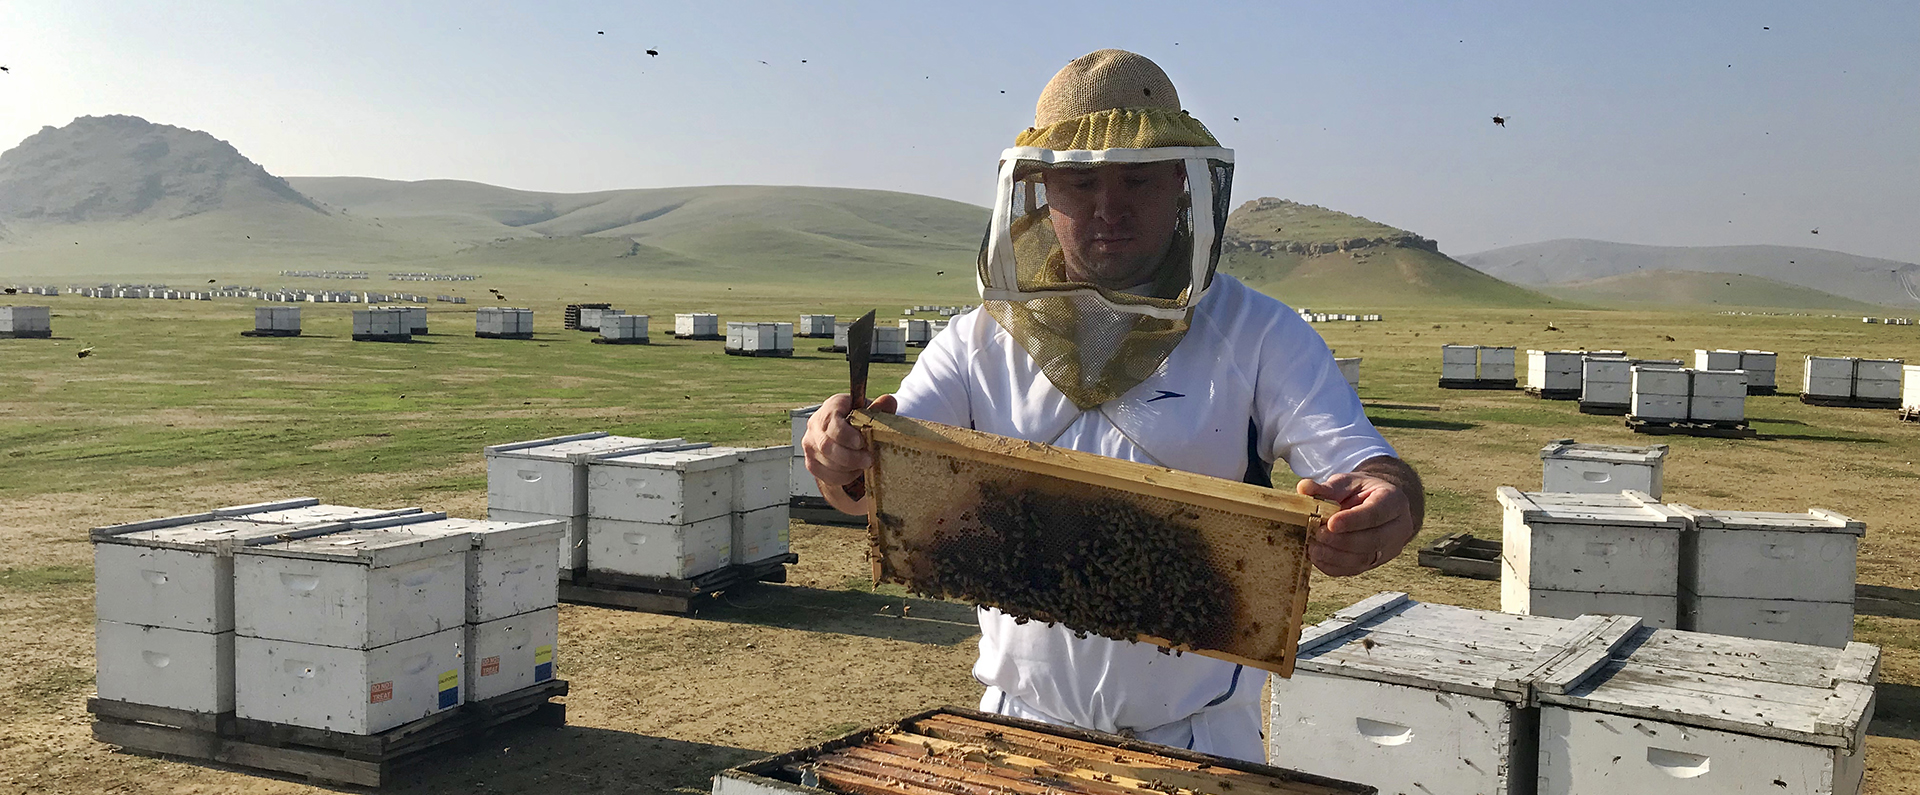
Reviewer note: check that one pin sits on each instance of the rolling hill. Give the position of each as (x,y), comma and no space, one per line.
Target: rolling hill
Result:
(1308,255)
(1865,279)
(1679,289)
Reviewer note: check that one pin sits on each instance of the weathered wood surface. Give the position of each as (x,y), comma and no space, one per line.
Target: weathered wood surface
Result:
(165,716)
(1462,555)
(927,484)
(1389,638)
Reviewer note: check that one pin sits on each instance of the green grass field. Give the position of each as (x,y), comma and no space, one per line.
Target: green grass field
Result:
(175,412)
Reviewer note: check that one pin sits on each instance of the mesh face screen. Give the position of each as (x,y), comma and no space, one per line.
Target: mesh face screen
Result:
(1097,559)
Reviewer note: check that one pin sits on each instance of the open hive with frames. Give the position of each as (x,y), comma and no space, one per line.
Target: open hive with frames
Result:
(1106,547)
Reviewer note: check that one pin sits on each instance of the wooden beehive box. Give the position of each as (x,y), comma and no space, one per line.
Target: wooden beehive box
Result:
(1101,545)
(951,751)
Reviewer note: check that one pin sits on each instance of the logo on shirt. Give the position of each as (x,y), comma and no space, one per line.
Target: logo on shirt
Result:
(1164,394)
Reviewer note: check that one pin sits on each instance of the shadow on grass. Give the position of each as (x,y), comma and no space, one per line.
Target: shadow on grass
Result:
(1425,425)
(1800,423)
(1886,601)
(864,613)
(1400,407)
(1896,711)
(1814,437)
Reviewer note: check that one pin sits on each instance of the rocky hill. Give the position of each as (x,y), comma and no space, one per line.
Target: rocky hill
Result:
(123,168)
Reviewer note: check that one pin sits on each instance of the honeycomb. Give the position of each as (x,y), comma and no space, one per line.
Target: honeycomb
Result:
(1101,546)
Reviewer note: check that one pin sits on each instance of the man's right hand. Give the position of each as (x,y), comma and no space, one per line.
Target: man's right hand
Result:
(836,452)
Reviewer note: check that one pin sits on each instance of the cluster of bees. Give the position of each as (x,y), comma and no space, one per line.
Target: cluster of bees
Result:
(1097,565)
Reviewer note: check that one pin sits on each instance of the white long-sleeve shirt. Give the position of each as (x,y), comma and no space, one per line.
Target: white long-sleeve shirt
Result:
(1246,359)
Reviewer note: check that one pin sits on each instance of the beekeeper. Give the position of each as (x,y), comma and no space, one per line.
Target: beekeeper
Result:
(1104,328)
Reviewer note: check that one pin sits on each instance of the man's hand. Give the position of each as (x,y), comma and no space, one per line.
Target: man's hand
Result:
(1381,507)
(836,452)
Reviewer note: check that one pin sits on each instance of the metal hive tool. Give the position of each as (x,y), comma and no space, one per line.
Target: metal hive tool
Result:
(1103,546)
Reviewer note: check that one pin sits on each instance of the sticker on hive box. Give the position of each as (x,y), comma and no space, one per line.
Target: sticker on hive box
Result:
(1102,546)
(449,688)
(542,663)
(490,666)
(382,691)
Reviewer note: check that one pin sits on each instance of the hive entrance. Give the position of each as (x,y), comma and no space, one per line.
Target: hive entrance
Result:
(1102,546)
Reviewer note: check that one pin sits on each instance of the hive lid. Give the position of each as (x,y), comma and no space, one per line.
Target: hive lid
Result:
(578,448)
(696,459)
(306,510)
(1764,688)
(366,544)
(204,532)
(1616,509)
(1815,520)
(803,411)
(1391,638)
(1570,450)
(749,455)
(484,534)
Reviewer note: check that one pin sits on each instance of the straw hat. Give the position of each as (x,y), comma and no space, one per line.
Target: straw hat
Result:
(1104,80)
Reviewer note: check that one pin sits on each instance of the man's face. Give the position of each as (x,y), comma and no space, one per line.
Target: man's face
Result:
(1115,221)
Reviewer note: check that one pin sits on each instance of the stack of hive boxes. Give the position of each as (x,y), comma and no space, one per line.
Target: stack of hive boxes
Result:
(416,319)
(1556,375)
(1566,555)
(356,631)
(1411,697)
(1766,575)
(759,511)
(816,326)
(381,324)
(1349,370)
(1606,382)
(661,514)
(1758,365)
(801,486)
(918,333)
(26,322)
(1668,394)
(1910,390)
(164,608)
(507,323)
(276,321)
(697,326)
(746,338)
(622,327)
(1864,382)
(1476,365)
(546,479)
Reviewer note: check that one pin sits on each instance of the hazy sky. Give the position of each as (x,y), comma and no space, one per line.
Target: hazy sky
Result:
(1660,122)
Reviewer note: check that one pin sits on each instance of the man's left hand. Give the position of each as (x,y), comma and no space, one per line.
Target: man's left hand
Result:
(1381,504)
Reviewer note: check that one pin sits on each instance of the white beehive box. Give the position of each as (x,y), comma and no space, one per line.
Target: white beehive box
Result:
(353,691)
(1606,382)
(816,325)
(696,324)
(840,335)
(26,320)
(1718,396)
(1349,370)
(1877,379)
(1827,376)
(759,534)
(1716,359)
(510,568)
(276,318)
(360,588)
(737,335)
(1459,362)
(1760,367)
(416,319)
(1566,555)
(546,479)
(1775,576)
(489,320)
(783,337)
(1554,371)
(889,341)
(1662,393)
(917,331)
(164,667)
(591,318)
(652,549)
(1417,698)
(1687,712)
(1496,362)
(1574,468)
(661,487)
(177,572)
(800,482)
(1910,387)
(510,653)
(382,322)
(623,327)
(759,477)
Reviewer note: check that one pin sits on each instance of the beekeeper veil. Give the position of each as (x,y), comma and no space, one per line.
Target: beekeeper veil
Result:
(1106,226)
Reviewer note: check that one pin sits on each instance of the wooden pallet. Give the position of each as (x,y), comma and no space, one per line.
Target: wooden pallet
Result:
(1610,409)
(705,337)
(627,341)
(781,354)
(668,594)
(1850,402)
(1908,415)
(1721,430)
(1761,390)
(1554,394)
(267,332)
(26,335)
(1479,383)
(487,335)
(383,338)
(365,760)
(1462,555)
